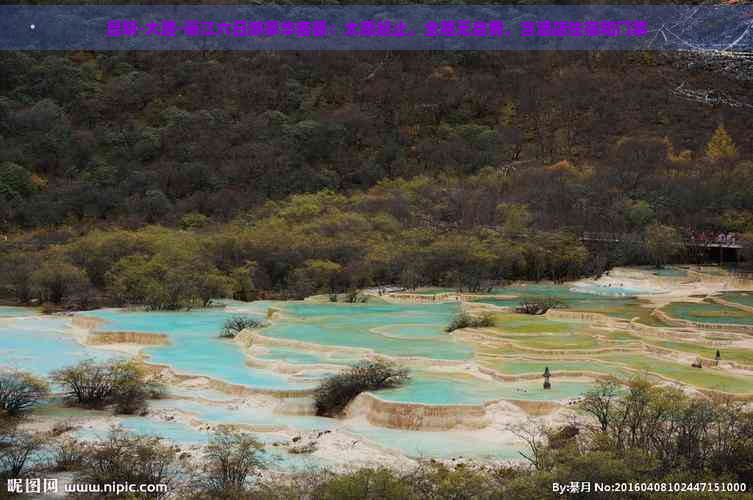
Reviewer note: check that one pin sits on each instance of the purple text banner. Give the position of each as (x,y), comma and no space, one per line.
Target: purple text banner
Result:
(372,27)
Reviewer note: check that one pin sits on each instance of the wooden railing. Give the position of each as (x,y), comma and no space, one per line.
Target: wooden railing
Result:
(628,237)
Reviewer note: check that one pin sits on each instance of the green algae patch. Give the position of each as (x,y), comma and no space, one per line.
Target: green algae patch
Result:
(727,354)
(618,336)
(510,366)
(388,329)
(625,366)
(650,320)
(444,388)
(12,311)
(524,323)
(707,312)
(703,378)
(611,301)
(743,298)
(554,342)
(433,291)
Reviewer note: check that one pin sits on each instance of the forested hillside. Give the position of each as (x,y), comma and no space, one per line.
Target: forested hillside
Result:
(145,137)
(412,148)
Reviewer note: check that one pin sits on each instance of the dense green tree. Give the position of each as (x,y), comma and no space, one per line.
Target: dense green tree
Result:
(15,180)
(368,484)
(720,146)
(56,279)
(662,242)
(315,276)
(557,255)
(173,278)
(17,269)
(98,251)
(125,138)
(153,205)
(514,218)
(639,214)
(384,171)
(193,220)
(243,277)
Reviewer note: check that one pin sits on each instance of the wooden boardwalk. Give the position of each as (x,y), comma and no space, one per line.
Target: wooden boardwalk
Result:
(619,237)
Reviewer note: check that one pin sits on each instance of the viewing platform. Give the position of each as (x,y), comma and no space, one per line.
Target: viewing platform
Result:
(690,242)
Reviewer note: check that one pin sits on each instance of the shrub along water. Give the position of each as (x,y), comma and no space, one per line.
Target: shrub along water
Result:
(122,384)
(237,324)
(465,320)
(334,394)
(127,458)
(20,391)
(232,459)
(538,305)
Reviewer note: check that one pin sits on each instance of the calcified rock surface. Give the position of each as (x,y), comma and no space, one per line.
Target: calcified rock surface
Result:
(138,338)
(415,416)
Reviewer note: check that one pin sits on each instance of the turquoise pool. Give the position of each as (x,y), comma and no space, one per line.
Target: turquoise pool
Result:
(421,444)
(299,356)
(744,298)
(618,304)
(708,313)
(41,344)
(432,291)
(390,329)
(7,312)
(667,271)
(276,458)
(438,389)
(195,347)
(239,414)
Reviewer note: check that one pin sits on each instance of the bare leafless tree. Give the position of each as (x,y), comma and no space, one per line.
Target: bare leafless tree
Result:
(534,434)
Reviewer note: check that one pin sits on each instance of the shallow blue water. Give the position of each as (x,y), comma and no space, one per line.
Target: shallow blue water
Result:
(608,291)
(6,311)
(208,394)
(413,443)
(40,345)
(276,458)
(438,389)
(609,299)
(297,356)
(705,312)
(246,415)
(390,329)
(195,347)
(744,298)
(420,444)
